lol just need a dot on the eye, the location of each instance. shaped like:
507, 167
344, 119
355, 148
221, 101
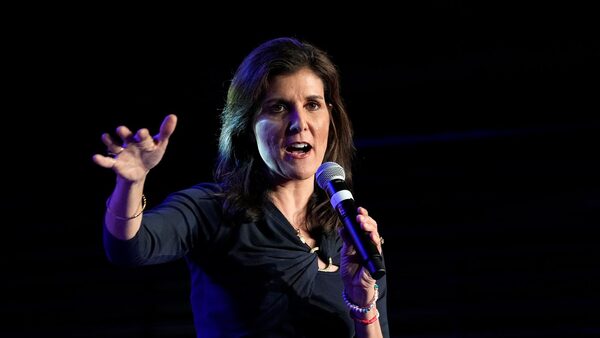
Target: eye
277, 108
313, 106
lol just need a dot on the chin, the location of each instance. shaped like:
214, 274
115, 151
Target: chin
306, 172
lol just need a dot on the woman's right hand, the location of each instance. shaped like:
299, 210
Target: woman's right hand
136, 154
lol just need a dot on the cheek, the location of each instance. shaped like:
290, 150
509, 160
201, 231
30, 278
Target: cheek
323, 130
266, 135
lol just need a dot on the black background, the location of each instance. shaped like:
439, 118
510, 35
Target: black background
477, 132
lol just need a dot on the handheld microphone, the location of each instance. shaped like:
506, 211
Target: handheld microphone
331, 177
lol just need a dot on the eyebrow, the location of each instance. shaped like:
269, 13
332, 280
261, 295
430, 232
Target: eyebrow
279, 99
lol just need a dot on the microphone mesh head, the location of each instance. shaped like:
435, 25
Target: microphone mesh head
329, 171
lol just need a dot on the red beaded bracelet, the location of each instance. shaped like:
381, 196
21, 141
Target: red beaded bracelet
366, 321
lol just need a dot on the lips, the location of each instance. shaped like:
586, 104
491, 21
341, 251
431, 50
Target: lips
298, 147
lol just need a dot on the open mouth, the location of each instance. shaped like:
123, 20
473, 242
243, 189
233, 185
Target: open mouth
298, 148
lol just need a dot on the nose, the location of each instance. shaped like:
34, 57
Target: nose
298, 120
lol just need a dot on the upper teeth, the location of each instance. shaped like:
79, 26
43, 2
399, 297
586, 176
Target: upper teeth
299, 145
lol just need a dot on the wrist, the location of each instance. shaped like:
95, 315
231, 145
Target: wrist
361, 308
127, 218
131, 183
365, 318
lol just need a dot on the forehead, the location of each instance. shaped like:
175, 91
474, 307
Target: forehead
303, 80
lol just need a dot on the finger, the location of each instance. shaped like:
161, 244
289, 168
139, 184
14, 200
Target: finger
107, 140
125, 134
104, 161
144, 140
141, 135
167, 128
362, 211
377, 240
366, 223
111, 146
369, 225
371, 230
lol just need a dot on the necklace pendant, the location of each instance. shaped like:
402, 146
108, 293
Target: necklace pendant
300, 236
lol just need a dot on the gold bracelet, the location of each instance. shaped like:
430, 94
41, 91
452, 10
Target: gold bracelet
127, 218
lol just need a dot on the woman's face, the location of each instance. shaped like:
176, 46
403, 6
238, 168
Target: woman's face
293, 125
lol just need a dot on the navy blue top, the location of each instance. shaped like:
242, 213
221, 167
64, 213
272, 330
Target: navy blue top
247, 280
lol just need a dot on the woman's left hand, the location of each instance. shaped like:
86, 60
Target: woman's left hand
358, 283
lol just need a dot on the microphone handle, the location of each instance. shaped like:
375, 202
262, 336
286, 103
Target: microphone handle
370, 256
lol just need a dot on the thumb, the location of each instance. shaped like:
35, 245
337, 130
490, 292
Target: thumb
347, 247
167, 127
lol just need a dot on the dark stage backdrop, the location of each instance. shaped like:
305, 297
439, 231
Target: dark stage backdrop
477, 132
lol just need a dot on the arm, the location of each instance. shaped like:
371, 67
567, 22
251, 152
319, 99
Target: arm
360, 288
185, 220
131, 161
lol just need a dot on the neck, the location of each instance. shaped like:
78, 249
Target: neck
292, 199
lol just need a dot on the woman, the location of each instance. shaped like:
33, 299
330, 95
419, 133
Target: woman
265, 248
